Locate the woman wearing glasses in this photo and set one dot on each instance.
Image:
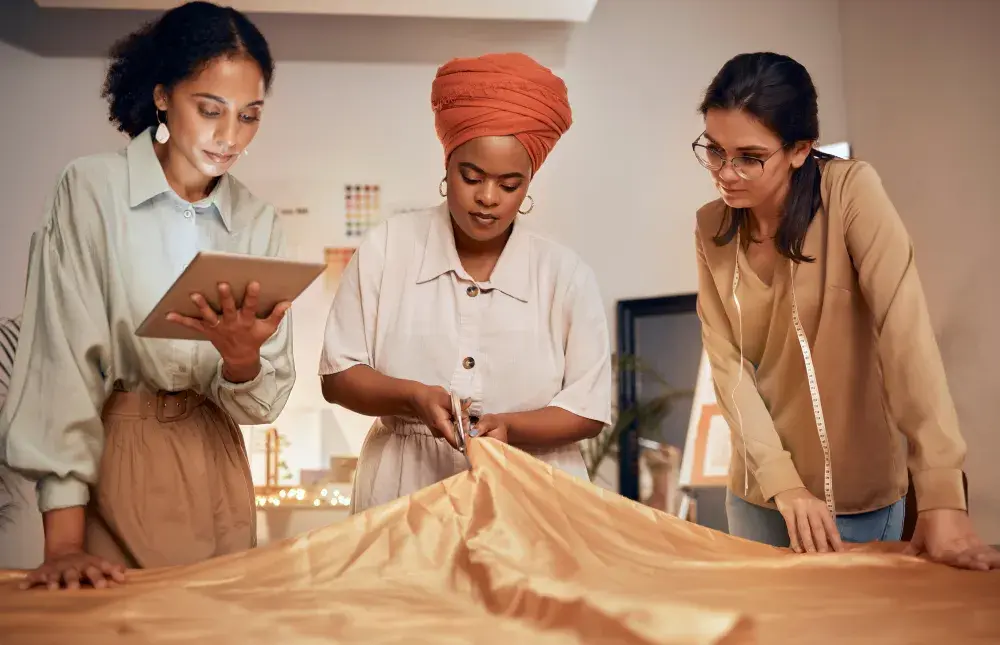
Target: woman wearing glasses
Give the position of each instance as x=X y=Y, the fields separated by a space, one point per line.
x=818 y=335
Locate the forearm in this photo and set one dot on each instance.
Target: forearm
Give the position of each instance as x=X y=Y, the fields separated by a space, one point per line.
x=920 y=401
x=366 y=391
x=64 y=530
x=549 y=427
x=913 y=375
x=754 y=435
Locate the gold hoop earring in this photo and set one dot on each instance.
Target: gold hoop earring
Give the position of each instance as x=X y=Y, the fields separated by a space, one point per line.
x=443 y=187
x=530 y=208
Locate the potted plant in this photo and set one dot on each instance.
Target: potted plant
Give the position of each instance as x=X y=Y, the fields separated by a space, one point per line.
x=646 y=414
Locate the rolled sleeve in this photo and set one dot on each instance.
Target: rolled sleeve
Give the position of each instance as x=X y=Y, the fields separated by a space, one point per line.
x=61 y=492
x=350 y=328
x=587 y=380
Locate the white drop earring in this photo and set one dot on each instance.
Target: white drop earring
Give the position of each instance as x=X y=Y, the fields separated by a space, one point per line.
x=162 y=133
x=246 y=152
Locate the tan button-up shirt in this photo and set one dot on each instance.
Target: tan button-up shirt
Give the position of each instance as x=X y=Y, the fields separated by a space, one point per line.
x=878 y=368
x=534 y=335
x=114 y=239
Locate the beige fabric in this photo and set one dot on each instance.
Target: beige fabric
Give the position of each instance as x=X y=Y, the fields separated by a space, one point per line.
x=399 y=458
x=537 y=333
x=114 y=239
x=878 y=367
x=514 y=552
x=173 y=488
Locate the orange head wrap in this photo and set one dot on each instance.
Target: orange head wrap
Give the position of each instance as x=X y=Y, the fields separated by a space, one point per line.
x=498 y=95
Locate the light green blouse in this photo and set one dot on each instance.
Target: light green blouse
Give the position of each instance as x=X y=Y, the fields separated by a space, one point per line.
x=114 y=239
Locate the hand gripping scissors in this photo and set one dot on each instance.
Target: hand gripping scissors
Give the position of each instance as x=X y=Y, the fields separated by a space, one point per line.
x=456 y=410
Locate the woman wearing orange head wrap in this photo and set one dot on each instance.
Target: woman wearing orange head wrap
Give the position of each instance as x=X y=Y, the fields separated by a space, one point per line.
x=462 y=299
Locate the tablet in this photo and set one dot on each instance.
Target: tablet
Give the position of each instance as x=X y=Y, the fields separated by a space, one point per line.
x=280 y=280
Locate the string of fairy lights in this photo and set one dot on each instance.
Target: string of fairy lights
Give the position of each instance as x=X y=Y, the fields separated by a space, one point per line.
x=296 y=497
x=272 y=495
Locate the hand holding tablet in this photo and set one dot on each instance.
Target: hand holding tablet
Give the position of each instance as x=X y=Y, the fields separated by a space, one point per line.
x=225 y=295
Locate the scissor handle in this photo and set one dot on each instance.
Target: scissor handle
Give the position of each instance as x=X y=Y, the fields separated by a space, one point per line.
x=456 y=409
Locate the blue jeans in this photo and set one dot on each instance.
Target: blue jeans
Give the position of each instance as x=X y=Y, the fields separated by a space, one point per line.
x=766 y=525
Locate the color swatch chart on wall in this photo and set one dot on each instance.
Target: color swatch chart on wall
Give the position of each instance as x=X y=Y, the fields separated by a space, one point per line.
x=362 y=205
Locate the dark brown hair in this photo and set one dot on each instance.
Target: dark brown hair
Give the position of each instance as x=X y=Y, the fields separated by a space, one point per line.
x=777 y=91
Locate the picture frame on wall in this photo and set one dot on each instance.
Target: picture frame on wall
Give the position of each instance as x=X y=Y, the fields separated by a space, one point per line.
x=706 y=458
x=711 y=448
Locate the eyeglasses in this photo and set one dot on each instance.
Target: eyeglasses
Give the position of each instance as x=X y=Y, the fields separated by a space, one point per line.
x=714 y=158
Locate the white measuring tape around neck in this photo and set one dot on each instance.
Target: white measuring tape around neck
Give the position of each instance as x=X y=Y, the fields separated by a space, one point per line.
x=817 y=405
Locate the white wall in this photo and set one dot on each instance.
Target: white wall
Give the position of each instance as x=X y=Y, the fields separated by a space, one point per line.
x=352 y=105
x=923 y=111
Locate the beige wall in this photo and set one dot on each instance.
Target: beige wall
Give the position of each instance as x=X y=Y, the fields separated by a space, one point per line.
x=922 y=85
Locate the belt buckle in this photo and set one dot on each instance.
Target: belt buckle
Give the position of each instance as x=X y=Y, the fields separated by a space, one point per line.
x=161 y=405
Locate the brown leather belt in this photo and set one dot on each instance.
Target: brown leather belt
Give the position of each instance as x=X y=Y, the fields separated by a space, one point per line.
x=167 y=407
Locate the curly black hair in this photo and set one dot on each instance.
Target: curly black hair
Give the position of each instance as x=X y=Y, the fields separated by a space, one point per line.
x=173 y=48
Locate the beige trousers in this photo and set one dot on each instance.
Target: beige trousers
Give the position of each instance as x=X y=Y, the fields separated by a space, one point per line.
x=174 y=485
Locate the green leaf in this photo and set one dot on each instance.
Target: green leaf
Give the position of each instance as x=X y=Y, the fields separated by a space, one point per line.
x=647 y=415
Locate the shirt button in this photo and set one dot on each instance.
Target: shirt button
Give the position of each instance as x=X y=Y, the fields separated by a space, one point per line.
x=188 y=214
x=468 y=362
x=472 y=291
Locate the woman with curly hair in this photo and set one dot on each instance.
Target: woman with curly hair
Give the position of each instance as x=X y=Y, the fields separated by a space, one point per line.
x=134 y=442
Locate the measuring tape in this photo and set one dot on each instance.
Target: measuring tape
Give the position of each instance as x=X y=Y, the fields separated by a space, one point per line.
x=817 y=405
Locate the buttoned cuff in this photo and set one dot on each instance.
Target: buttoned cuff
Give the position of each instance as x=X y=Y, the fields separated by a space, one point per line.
x=939 y=488
x=61 y=492
x=265 y=369
x=777 y=476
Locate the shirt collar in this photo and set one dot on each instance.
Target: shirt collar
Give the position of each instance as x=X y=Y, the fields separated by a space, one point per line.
x=511 y=274
x=146 y=179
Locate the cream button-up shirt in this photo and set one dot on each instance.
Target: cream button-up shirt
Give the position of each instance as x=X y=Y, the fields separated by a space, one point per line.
x=114 y=239
x=534 y=335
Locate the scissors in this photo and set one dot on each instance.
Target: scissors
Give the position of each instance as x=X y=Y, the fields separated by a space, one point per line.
x=456 y=410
